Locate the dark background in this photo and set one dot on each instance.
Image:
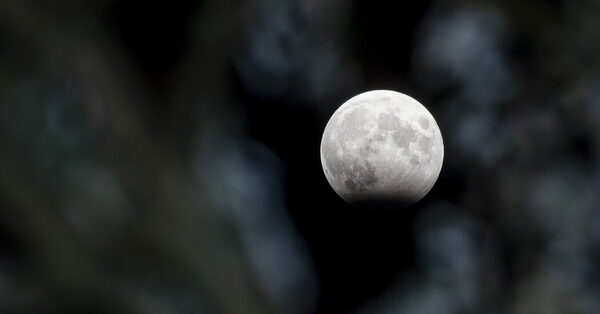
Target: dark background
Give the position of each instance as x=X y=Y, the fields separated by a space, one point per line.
x=163 y=157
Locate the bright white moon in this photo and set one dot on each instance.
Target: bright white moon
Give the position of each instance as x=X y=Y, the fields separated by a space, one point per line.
x=382 y=149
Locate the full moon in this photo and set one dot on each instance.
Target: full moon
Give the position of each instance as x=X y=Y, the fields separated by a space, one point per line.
x=382 y=149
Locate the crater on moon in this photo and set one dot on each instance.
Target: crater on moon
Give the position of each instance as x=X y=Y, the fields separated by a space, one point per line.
x=382 y=147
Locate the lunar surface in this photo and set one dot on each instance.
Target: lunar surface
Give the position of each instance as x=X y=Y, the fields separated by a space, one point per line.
x=382 y=149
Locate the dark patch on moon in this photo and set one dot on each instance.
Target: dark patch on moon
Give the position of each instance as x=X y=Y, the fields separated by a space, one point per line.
x=378 y=137
x=387 y=121
x=362 y=178
x=368 y=148
x=350 y=127
x=369 y=177
x=350 y=184
x=414 y=160
x=426 y=145
x=404 y=136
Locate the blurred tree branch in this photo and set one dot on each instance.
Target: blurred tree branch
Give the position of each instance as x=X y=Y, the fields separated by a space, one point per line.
x=175 y=221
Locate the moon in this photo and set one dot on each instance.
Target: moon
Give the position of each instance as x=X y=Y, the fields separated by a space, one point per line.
x=382 y=149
